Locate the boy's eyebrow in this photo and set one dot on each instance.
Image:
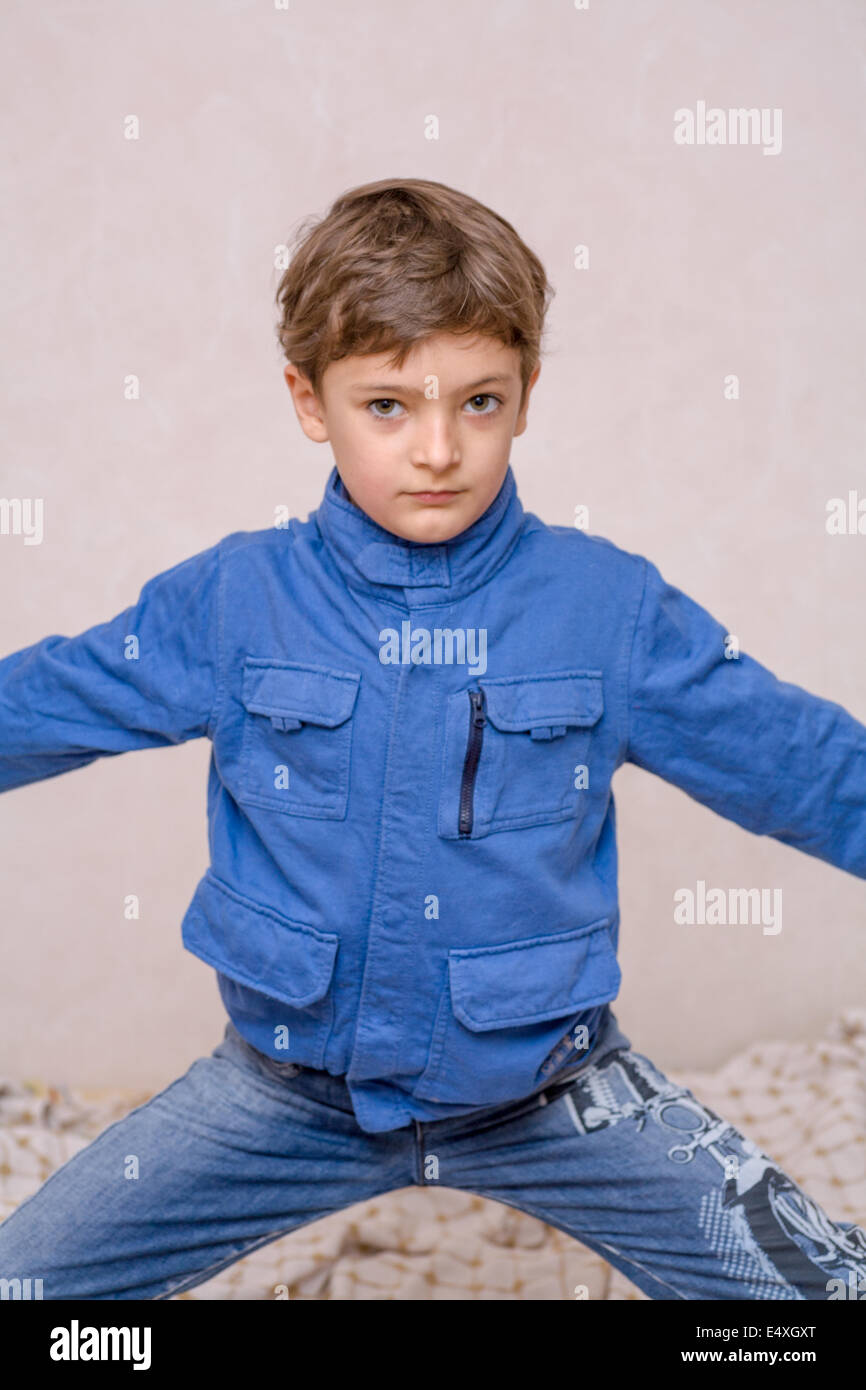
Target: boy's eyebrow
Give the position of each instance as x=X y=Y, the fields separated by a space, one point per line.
x=414 y=391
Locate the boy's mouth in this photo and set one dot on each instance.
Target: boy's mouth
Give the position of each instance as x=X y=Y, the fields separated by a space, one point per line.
x=437 y=497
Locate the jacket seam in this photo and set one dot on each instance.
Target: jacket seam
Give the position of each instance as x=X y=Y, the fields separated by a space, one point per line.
x=431 y=1072
x=220 y=647
x=629 y=673
x=430 y=811
x=265 y=910
x=573 y=933
x=243 y=978
x=520 y=1020
x=375 y=880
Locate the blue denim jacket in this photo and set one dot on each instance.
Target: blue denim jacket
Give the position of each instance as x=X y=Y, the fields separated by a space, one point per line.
x=413 y=876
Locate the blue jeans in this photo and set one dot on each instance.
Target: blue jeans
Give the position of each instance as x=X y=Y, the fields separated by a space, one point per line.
x=243 y=1149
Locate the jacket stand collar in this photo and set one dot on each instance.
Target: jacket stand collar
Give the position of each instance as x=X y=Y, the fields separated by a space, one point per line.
x=372 y=558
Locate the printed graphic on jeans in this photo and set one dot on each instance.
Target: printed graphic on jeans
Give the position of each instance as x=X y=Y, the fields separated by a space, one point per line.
x=766 y=1231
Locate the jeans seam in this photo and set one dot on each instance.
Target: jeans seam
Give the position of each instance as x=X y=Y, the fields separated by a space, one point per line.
x=419 y=1154
x=88 y=1144
x=590 y=1242
x=200 y=1276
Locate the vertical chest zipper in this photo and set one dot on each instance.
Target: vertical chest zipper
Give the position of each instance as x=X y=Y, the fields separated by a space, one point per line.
x=477 y=721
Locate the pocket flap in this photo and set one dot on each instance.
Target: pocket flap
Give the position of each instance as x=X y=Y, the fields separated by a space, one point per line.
x=546 y=705
x=292 y=693
x=259 y=947
x=530 y=981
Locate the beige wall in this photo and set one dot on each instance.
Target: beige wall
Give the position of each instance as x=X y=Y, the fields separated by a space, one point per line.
x=155 y=257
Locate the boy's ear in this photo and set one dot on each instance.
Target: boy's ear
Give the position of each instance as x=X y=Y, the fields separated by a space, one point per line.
x=520 y=424
x=307 y=405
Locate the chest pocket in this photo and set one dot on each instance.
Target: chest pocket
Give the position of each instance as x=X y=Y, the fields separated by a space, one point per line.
x=515 y=751
x=297 y=739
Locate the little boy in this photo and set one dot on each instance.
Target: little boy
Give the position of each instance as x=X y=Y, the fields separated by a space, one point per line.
x=417 y=700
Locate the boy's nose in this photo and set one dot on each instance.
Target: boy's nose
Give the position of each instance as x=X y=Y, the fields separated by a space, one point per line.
x=436 y=446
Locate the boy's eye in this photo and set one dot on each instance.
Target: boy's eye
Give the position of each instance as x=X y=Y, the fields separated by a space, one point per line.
x=485 y=397
x=390 y=414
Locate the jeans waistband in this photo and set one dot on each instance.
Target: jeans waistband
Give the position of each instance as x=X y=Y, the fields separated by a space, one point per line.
x=331 y=1089
x=323 y=1086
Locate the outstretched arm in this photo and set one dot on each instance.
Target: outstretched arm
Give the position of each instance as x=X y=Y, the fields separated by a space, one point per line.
x=760 y=751
x=146 y=678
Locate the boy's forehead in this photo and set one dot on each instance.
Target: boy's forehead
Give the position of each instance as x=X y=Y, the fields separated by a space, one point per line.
x=450 y=356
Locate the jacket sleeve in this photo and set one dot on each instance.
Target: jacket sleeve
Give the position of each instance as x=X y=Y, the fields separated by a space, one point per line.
x=762 y=752
x=146 y=678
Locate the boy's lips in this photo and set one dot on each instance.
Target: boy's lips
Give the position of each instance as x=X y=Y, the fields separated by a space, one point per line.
x=441 y=495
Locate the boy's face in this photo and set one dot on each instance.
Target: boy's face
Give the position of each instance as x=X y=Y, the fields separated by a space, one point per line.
x=443 y=423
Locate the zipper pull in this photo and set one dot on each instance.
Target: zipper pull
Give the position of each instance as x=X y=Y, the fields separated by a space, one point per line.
x=479 y=716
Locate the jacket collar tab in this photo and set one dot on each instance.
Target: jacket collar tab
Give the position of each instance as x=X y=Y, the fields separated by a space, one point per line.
x=372 y=556
x=411 y=567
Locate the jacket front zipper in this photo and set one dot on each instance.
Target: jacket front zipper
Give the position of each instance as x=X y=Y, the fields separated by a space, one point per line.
x=477 y=720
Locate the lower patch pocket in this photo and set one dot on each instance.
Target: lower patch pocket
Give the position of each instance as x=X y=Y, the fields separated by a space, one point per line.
x=503 y=1008
x=255 y=947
